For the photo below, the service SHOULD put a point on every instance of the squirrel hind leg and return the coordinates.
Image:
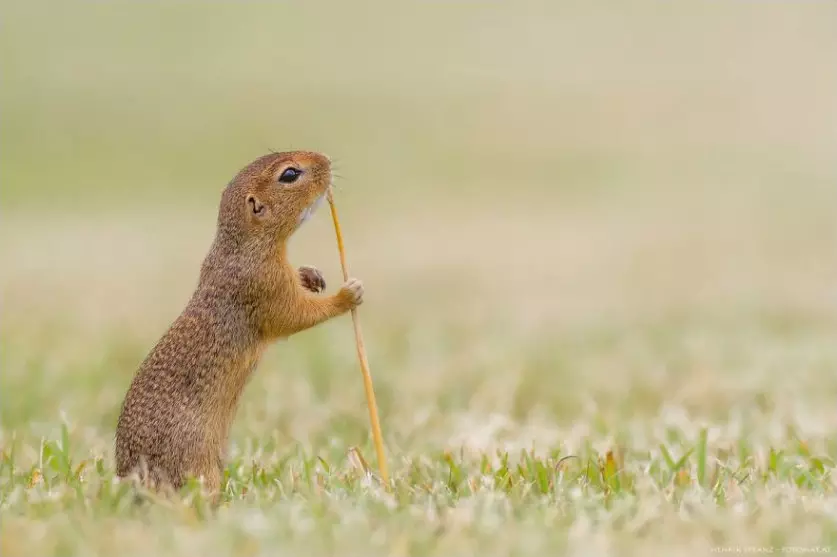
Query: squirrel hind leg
(209, 471)
(149, 479)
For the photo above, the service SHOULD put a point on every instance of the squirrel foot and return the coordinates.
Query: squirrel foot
(352, 292)
(312, 279)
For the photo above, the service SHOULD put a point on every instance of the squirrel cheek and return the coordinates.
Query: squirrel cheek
(303, 216)
(308, 211)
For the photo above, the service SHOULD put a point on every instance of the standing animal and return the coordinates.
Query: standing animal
(175, 419)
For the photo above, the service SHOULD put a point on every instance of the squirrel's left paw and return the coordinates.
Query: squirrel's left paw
(312, 279)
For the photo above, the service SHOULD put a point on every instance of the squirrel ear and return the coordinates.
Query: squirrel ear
(255, 206)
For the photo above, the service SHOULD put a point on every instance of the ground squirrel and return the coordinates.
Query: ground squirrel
(176, 416)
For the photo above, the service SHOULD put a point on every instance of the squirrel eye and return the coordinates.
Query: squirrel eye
(289, 175)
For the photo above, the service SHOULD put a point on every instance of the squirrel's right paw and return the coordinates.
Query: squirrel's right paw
(311, 279)
(352, 292)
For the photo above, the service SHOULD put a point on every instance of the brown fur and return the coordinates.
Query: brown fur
(176, 416)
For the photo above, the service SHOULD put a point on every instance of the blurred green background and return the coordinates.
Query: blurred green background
(135, 102)
(508, 168)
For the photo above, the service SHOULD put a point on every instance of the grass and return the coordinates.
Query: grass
(443, 501)
(447, 480)
(597, 246)
(552, 458)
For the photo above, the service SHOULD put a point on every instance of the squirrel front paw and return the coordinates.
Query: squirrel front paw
(352, 293)
(312, 279)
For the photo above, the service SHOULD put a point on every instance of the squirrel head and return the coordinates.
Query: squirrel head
(273, 195)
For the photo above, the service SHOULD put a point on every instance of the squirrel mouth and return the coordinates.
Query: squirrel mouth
(308, 211)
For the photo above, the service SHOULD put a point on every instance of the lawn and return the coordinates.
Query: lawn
(599, 249)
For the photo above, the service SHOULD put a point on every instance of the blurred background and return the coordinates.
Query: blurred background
(551, 204)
